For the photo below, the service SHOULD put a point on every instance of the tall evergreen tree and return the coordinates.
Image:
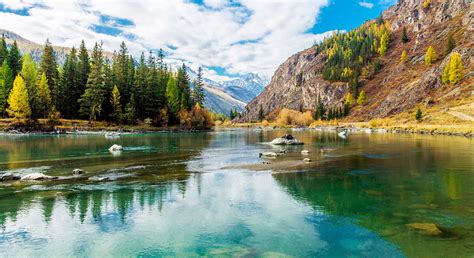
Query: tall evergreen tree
(121, 72)
(3, 49)
(43, 98)
(6, 84)
(182, 82)
(29, 72)
(405, 38)
(139, 90)
(49, 67)
(450, 44)
(92, 98)
(18, 106)
(116, 105)
(69, 84)
(198, 91)
(82, 71)
(107, 108)
(14, 59)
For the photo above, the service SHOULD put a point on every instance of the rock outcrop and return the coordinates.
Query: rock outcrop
(396, 88)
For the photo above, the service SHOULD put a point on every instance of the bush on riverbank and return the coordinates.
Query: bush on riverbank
(293, 117)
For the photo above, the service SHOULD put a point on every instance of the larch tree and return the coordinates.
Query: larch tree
(6, 84)
(116, 105)
(349, 100)
(18, 106)
(430, 56)
(92, 98)
(384, 43)
(362, 99)
(14, 59)
(29, 72)
(49, 67)
(43, 99)
(403, 57)
(198, 91)
(456, 68)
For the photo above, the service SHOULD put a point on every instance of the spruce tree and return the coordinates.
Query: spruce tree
(182, 82)
(68, 82)
(82, 74)
(43, 98)
(450, 44)
(198, 91)
(49, 67)
(172, 97)
(107, 108)
(29, 72)
(14, 59)
(418, 114)
(18, 106)
(92, 98)
(116, 105)
(3, 49)
(405, 38)
(6, 83)
(121, 72)
(139, 88)
(152, 92)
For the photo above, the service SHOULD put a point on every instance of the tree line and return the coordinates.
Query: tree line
(91, 86)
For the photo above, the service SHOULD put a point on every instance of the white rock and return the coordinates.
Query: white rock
(307, 160)
(36, 176)
(268, 154)
(305, 152)
(283, 141)
(78, 171)
(115, 148)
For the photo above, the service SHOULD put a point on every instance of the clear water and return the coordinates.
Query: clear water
(174, 195)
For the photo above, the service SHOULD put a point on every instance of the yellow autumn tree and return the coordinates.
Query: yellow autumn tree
(349, 99)
(362, 99)
(453, 71)
(430, 55)
(19, 106)
(403, 57)
(426, 3)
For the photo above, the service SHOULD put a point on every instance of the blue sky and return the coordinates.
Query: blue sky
(225, 37)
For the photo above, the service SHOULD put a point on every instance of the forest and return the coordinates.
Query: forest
(90, 86)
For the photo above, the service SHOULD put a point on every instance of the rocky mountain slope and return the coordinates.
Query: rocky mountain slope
(221, 97)
(397, 87)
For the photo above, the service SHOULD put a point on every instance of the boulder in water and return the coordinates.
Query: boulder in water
(115, 148)
(78, 171)
(307, 160)
(37, 176)
(305, 152)
(9, 177)
(286, 139)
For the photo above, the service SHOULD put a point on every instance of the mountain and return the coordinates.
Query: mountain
(221, 97)
(397, 87)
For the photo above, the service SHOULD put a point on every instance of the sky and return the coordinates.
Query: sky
(227, 38)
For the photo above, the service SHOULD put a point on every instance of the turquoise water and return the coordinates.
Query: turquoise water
(182, 194)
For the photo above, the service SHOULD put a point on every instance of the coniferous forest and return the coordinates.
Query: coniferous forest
(90, 86)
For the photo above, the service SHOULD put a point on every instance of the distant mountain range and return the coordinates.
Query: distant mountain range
(221, 97)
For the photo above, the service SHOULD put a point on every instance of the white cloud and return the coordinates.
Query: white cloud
(240, 36)
(366, 4)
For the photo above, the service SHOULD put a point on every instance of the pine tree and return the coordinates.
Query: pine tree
(92, 98)
(19, 107)
(173, 97)
(139, 88)
(362, 99)
(49, 67)
(43, 99)
(14, 59)
(6, 83)
(455, 68)
(29, 72)
(68, 83)
(198, 92)
(182, 82)
(152, 91)
(107, 108)
(451, 44)
(3, 49)
(430, 56)
(121, 71)
(403, 57)
(405, 38)
(116, 105)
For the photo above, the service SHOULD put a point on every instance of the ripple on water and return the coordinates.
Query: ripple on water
(24, 171)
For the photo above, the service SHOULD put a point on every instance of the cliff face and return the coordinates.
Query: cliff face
(396, 88)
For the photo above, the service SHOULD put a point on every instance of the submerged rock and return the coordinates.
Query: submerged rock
(100, 178)
(37, 176)
(426, 228)
(307, 160)
(78, 171)
(9, 177)
(115, 148)
(268, 155)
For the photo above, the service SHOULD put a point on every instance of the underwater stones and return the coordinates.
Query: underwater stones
(37, 176)
(78, 171)
(426, 228)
